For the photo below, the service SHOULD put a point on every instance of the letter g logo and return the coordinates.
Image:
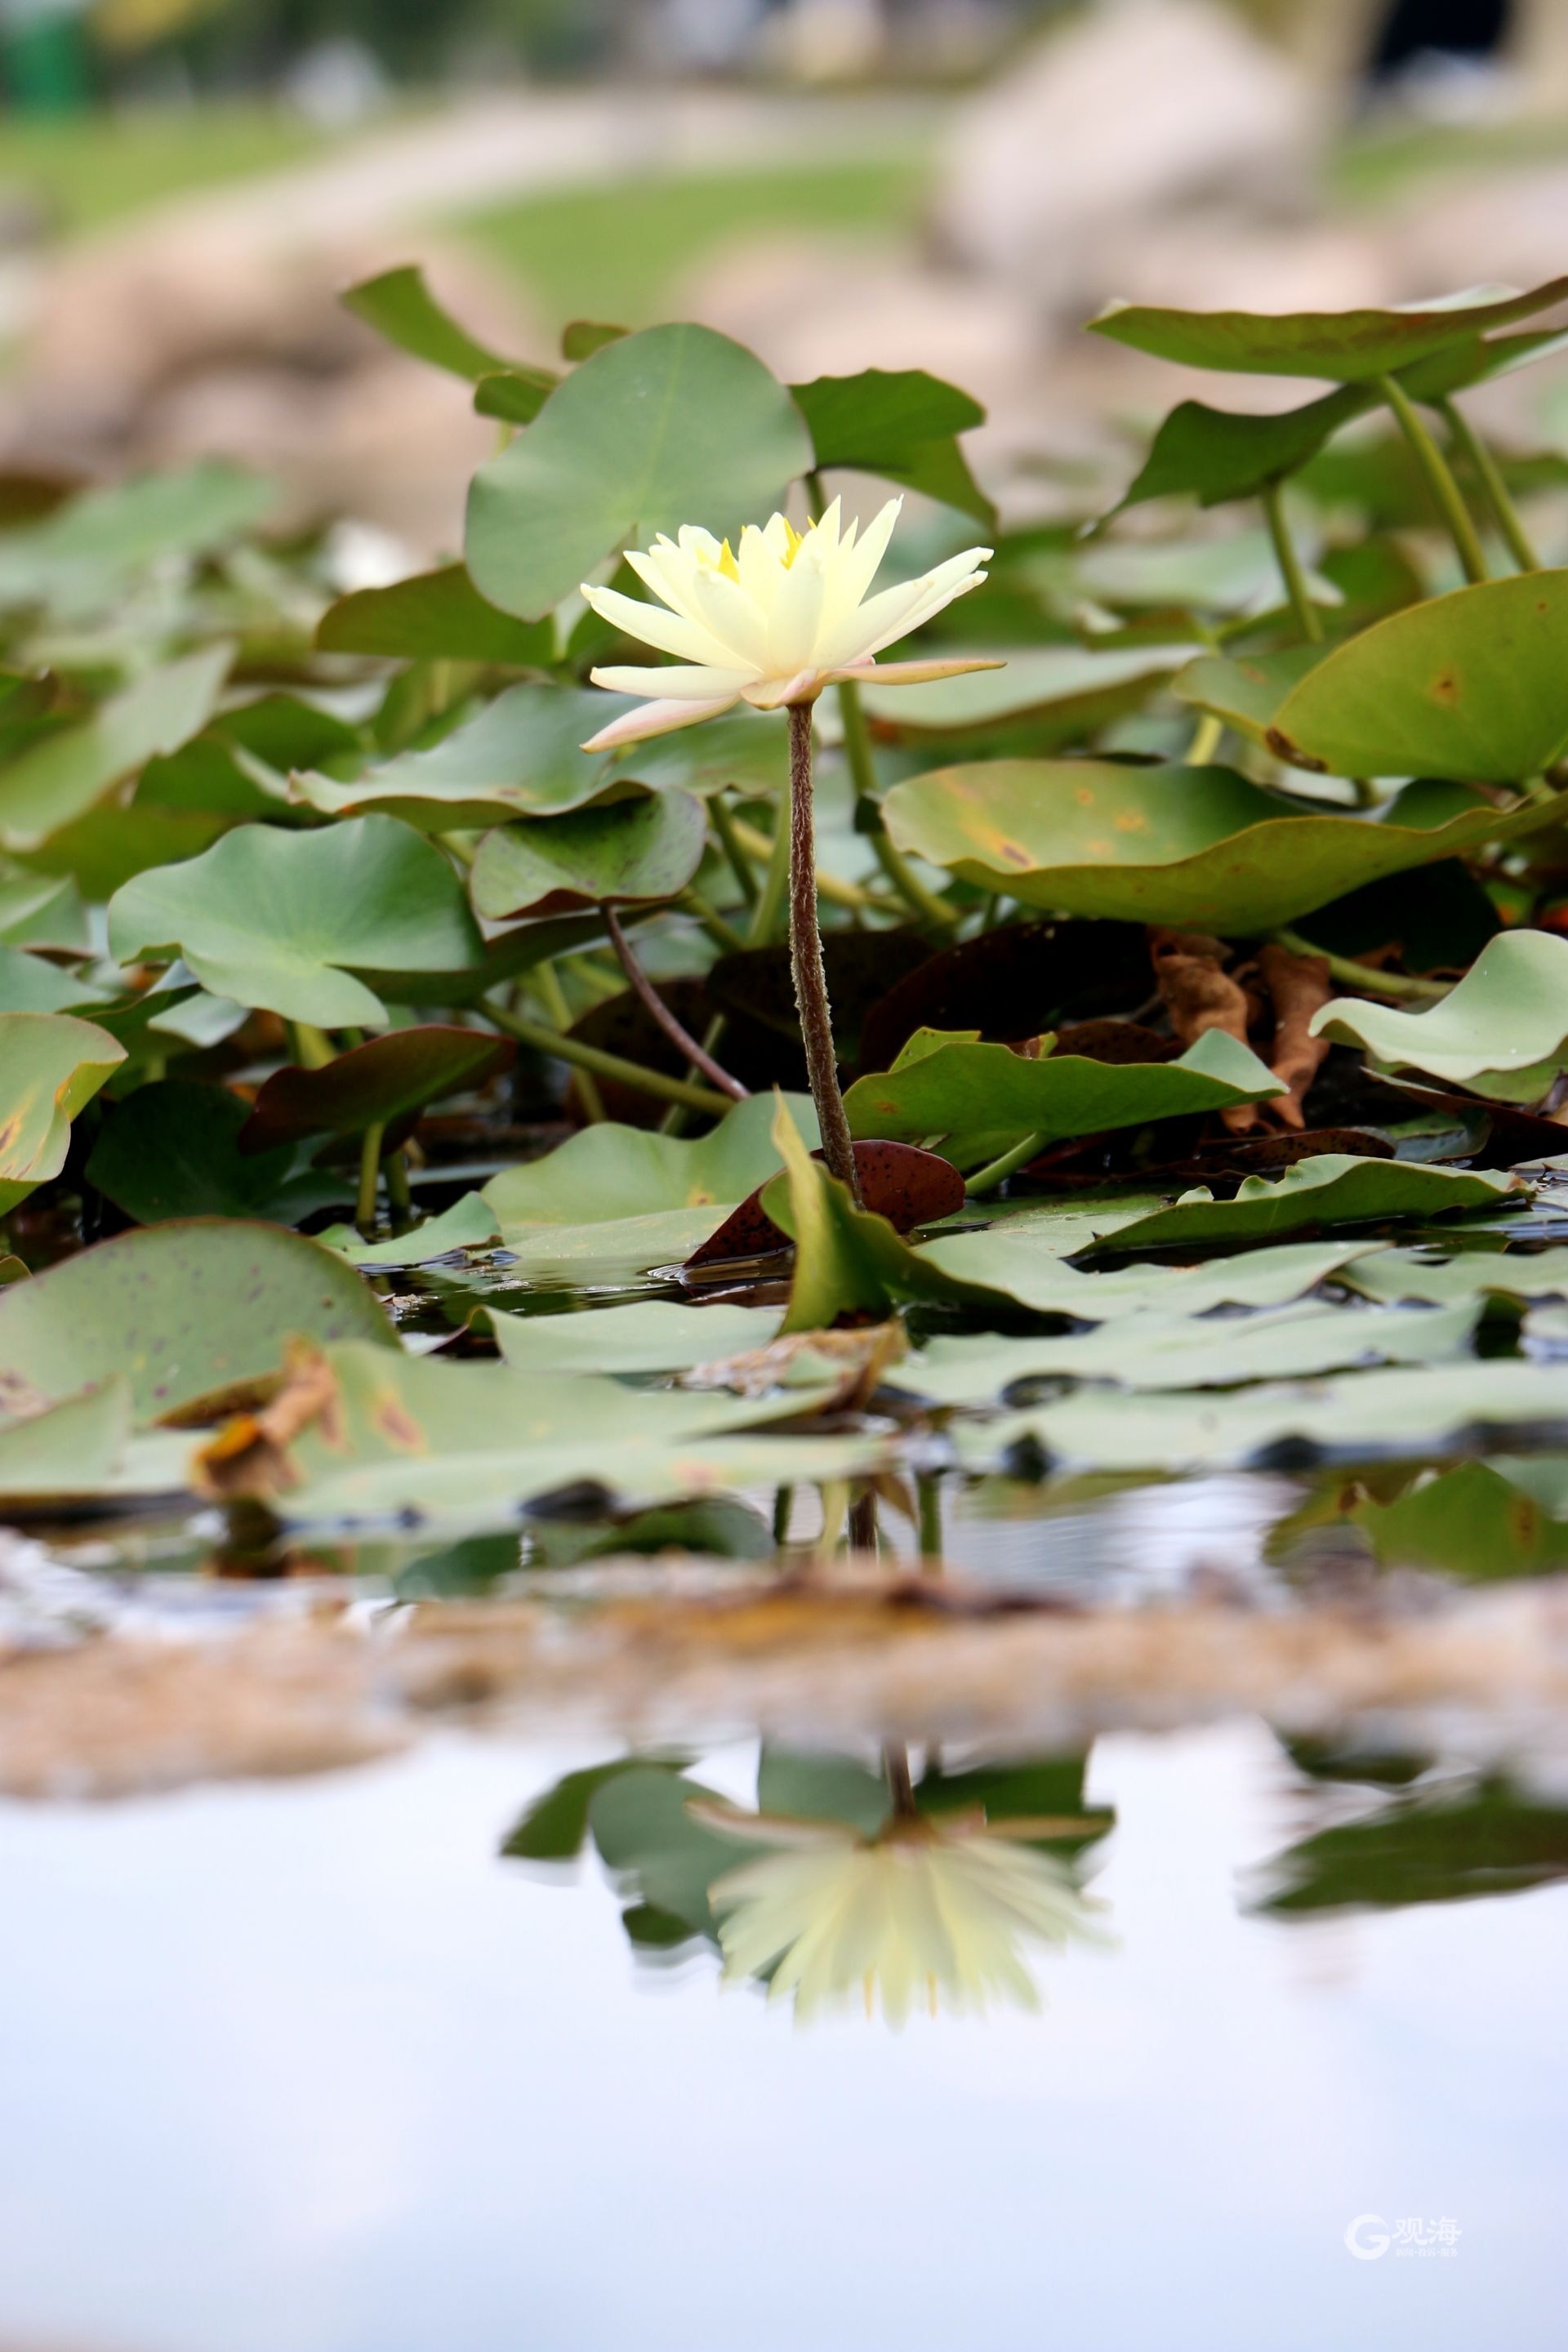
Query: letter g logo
(1366, 2249)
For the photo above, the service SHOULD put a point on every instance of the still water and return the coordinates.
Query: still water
(316, 2066)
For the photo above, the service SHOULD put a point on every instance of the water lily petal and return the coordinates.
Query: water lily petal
(655, 718)
(687, 640)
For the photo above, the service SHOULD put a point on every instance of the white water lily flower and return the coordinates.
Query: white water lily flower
(940, 1911)
(771, 623)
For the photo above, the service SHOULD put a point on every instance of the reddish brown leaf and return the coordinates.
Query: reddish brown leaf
(1300, 986)
(1199, 994)
(386, 1081)
(897, 1181)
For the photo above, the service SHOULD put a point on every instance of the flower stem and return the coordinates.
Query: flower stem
(369, 1177)
(399, 1200)
(985, 1180)
(1308, 618)
(1490, 477)
(768, 912)
(806, 959)
(724, 936)
(900, 1786)
(1439, 479)
(656, 1008)
(604, 1065)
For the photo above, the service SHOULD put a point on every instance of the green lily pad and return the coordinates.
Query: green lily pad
(902, 426)
(1080, 689)
(172, 1149)
(1198, 847)
(1400, 1273)
(400, 306)
(611, 1172)
(31, 983)
(676, 425)
(70, 1450)
(40, 910)
(633, 851)
(1446, 1846)
(1174, 1351)
(50, 1064)
(520, 758)
(649, 1335)
(1502, 1032)
(468, 1224)
(1247, 689)
(1011, 1258)
(1342, 346)
(64, 774)
(434, 616)
(1471, 684)
(385, 1080)
(276, 919)
(1469, 1522)
(977, 1099)
(92, 542)
(190, 1312)
(1336, 1189)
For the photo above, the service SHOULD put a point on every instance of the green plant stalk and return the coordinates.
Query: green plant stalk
(369, 1177)
(724, 936)
(604, 1065)
(928, 1502)
(831, 887)
(768, 914)
(675, 1121)
(1308, 618)
(806, 960)
(986, 1179)
(547, 986)
(1439, 479)
(1490, 472)
(929, 911)
(395, 1167)
(1207, 736)
(312, 1048)
(659, 1012)
(741, 866)
(1365, 976)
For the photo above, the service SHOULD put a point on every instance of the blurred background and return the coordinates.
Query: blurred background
(185, 186)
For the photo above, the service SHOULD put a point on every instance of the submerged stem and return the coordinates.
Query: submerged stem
(369, 1176)
(1308, 618)
(656, 1008)
(1491, 479)
(806, 959)
(1439, 479)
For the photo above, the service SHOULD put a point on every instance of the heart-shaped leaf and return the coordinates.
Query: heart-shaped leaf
(908, 1187)
(1200, 848)
(978, 1099)
(1502, 1032)
(1472, 684)
(280, 919)
(400, 306)
(902, 425)
(435, 616)
(65, 773)
(468, 1224)
(50, 1064)
(190, 1311)
(1342, 346)
(632, 851)
(1336, 1189)
(521, 756)
(674, 426)
(609, 1171)
(172, 1149)
(385, 1080)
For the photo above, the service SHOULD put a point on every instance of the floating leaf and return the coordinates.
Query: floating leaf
(637, 850)
(400, 306)
(172, 1149)
(608, 1171)
(1199, 848)
(1470, 685)
(379, 1083)
(907, 1187)
(40, 910)
(50, 1064)
(1245, 689)
(64, 774)
(1009, 1257)
(902, 425)
(1015, 981)
(1344, 346)
(435, 616)
(1468, 1522)
(70, 1450)
(91, 542)
(1399, 1273)
(31, 983)
(1334, 1190)
(674, 426)
(646, 1336)
(977, 1099)
(189, 1311)
(468, 1224)
(519, 757)
(276, 919)
(1502, 1031)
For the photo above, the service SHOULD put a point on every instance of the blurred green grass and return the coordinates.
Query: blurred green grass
(615, 253)
(88, 172)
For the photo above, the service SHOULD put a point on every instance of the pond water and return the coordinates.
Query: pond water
(320, 2063)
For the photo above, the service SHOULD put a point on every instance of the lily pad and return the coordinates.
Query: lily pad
(1502, 1031)
(400, 306)
(521, 757)
(1197, 847)
(64, 774)
(50, 1064)
(1342, 346)
(1010, 1258)
(908, 1187)
(468, 1224)
(676, 425)
(174, 1150)
(189, 1312)
(31, 983)
(612, 1173)
(1471, 684)
(91, 543)
(1247, 689)
(646, 1335)
(434, 616)
(1336, 1189)
(1400, 1273)
(70, 1450)
(281, 919)
(633, 851)
(977, 1099)
(1215, 455)
(377, 1084)
(901, 424)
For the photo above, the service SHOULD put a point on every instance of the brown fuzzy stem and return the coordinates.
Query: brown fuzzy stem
(653, 1003)
(805, 959)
